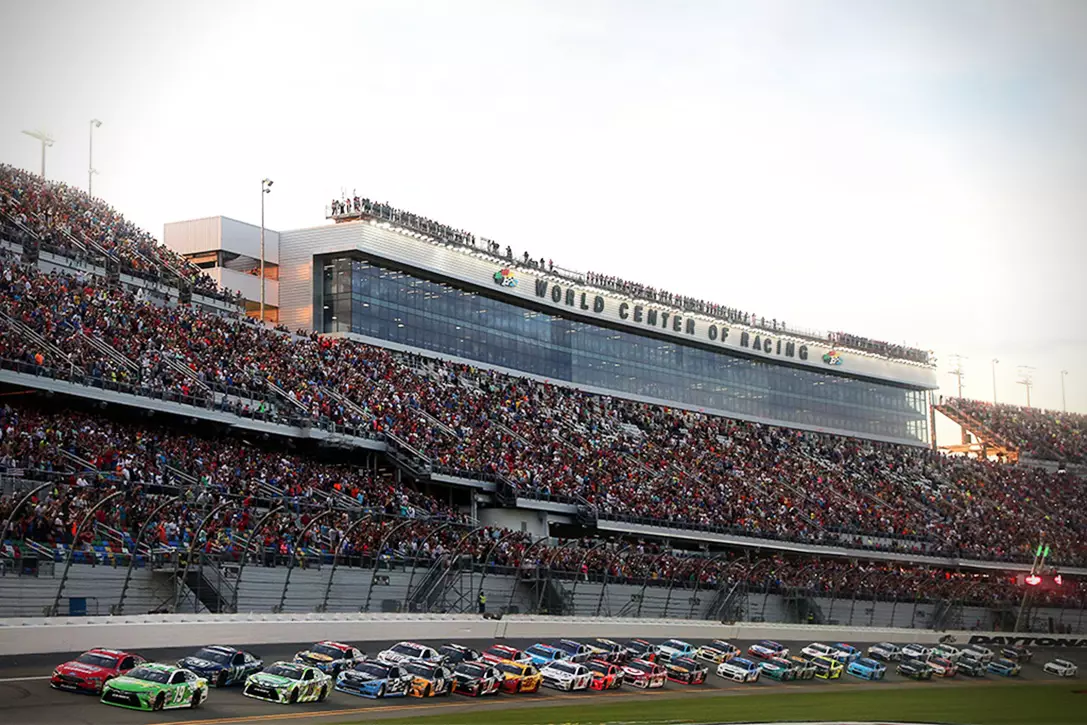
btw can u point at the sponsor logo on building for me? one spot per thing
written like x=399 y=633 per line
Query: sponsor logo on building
x=832 y=357
x=505 y=278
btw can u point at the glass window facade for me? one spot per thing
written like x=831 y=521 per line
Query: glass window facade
x=362 y=297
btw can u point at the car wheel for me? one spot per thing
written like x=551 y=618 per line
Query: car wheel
x=324 y=693
x=381 y=691
x=294 y=696
x=159 y=702
x=220 y=681
x=197 y=697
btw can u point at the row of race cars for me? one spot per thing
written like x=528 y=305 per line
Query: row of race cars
x=128 y=680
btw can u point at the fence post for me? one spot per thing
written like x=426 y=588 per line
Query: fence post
x=75 y=541
x=136 y=549
x=336 y=559
x=245 y=550
x=19 y=505
x=189 y=554
x=524 y=559
x=294 y=554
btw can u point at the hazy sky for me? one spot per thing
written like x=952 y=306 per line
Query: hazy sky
x=911 y=171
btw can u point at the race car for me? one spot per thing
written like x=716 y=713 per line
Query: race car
x=941 y=666
x=802 y=669
x=826 y=668
x=92 y=669
x=518 y=676
x=818 y=649
x=848 y=652
x=641 y=649
x=500 y=652
x=914 y=669
x=608 y=650
x=544 y=654
x=983 y=654
x=330 y=657
x=670 y=648
x=866 y=669
x=767 y=648
x=778 y=669
x=1061 y=668
x=374 y=679
x=288 y=683
x=476 y=679
x=914 y=651
x=717 y=651
x=885 y=651
x=575 y=651
x=969 y=666
x=454 y=654
x=152 y=686
x=429 y=679
x=947 y=651
x=567 y=676
x=408 y=651
x=1017 y=653
x=222 y=666
x=1004 y=667
x=686 y=670
x=644 y=674
x=739 y=669
x=606 y=675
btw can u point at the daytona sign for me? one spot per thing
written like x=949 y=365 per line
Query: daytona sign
x=1035 y=641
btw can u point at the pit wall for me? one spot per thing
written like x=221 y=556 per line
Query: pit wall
x=58 y=634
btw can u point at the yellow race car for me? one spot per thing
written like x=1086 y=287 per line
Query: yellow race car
x=429 y=679
x=519 y=676
x=825 y=667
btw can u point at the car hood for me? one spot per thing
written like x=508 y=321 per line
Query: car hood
x=197 y=663
x=129 y=684
x=318 y=657
x=357 y=676
x=263 y=678
x=82 y=670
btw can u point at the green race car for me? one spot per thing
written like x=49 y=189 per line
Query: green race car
x=288 y=682
x=153 y=686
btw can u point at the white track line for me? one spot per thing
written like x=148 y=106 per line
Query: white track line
x=24 y=679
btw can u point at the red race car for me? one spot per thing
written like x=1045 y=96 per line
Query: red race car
x=499 y=652
x=643 y=674
x=90 y=670
x=606 y=676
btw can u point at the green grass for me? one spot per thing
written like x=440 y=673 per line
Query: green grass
x=1054 y=704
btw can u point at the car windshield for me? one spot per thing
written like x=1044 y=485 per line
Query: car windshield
x=288 y=671
x=886 y=645
x=598 y=667
x=674 y=644
x=509 y=669
x=867 y=663
x=469 y=670
x=150 y=675
x=718 y=644
x=324 y=649
x=540 y=652
x=638 y=646
x=499 y=652
x=567 y=646
x=641 y=666
x=407 y=650
x=97 y=660
x=420 y=669
x=211 y=655
x=774 y=645
x=563 y=667
x=371 y=668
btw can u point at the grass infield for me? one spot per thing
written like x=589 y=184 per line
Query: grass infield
x=1049 y=704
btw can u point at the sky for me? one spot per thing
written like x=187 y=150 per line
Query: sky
x=908 y=171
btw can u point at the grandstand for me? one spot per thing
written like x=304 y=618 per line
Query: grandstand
x=444 y=421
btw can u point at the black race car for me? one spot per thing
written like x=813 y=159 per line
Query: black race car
x=915 y=670
x=454 y=654
x=970 y=667
x=686 y=670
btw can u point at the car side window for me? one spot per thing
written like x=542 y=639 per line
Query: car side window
x=177 y=678
x=393 y=673
x=308 y=675
x=127 y=663
x=238 y=659
x=250 y=658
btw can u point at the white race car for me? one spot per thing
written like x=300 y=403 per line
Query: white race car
x=406 y=651
x=915 y=651
x=818 y=649
x=717 y=651
x=739 y=669
x=979 y=653
x=947 y=651
x=885 y=651
x=566 y=676
x=1061 y=668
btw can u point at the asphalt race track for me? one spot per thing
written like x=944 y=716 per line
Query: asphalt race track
x=27 y=699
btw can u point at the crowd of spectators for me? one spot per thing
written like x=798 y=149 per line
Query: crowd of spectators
x=69 y=221
x=1036 y=432
x=142 y=462
x=619 y=458
x=358 y=206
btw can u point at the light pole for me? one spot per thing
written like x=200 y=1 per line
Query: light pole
x=95 y=123
x=1064 y=403
x=46 y=140
x=265 y=188
x=1026 y=379
x=995 y=362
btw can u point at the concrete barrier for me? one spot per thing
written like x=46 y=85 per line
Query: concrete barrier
x=60 y=634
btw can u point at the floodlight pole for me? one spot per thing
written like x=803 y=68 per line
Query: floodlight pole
x=265 y=188
x=46 y=141
x=95 y=123
x=1064 y=402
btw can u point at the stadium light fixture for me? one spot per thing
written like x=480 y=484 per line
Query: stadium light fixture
x=1064 y=403
x=91 y=171
x=265 y=188
x=46 y=140
x=995 y=363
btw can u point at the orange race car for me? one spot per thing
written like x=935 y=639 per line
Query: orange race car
x=606 y=676
x=518 y=676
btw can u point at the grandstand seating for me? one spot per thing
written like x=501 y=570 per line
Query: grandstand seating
x=1040 y=433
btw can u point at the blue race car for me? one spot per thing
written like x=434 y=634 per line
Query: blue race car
x=1004 y=667
x=866 y=669
x=373 y=679
x=544 y=654
x=222 y=666
x=851 y=653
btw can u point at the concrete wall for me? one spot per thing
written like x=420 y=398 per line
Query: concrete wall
x=27 y=596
